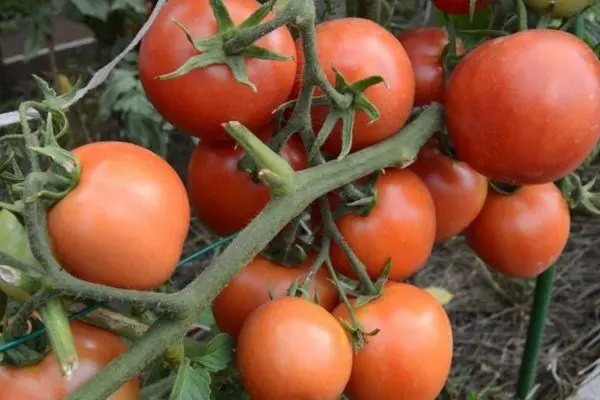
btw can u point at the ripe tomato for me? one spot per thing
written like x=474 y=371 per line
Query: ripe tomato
x=360 y=48
x=95 y=347
x=401 y=226
x=125 y=222
x=458 y=7
x=562 y=8
x=204 y=98
x=411 y=355
x=250 y=289
x=291 y=348
x=537 y=119
x=424 y=47
x=458 y=191
x=522 y=234
x=225 y=198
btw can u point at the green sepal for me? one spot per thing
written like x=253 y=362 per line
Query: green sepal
x=61 y=157
x=212 y=50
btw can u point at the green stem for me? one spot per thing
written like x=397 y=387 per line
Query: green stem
x=61 y=338
x=308 y=186
x=318 y=263
x=357 y=265
x=537 y=322
x=247 y=36
x=522 y=15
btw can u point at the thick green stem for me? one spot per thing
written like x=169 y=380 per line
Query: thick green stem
x=537 y=322
x=61 y=338
x=308 y=186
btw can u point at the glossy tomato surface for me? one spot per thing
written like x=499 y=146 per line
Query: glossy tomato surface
x=360 y=48
x=225 y=198
x=410 y=357
x=537 y=119
x=95 y=347
x=400 y=227
x=560 y=8
x=458 y=191
x=424 y=47
x=125 y=222
x=458 y=7
x=522 y=234
x=253 y=286
x=291 y=348
x=204 y=98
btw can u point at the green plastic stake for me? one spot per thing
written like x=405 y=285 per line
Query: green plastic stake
x=537 y=322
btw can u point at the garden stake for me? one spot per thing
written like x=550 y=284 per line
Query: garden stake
x=537 y=322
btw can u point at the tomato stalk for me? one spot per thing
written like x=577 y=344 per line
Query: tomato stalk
x=308 y=185
x=537 y=322
x=357 y=266
x=522 y=15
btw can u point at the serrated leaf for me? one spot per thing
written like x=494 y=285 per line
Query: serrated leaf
x=217 y=353
x=93 y=8
x=440 y=294
x=14 y=240
x=192 y=383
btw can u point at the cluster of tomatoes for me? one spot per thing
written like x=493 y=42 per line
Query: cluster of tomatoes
x=521 y=110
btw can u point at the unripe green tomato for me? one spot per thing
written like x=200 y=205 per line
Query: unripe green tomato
x=562 y=8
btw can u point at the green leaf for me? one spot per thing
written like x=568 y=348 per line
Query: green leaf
x=191 y=383
x=217 y=353
x=98 y=9
x=138 y=6
x=443 y=296
x=14 y=240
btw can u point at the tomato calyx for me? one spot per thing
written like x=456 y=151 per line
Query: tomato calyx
x=579 y=194
x=359 y=102
x=212 y=50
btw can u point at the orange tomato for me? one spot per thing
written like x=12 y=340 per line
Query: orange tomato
x=43 y=381
x=125 y=222
x=410 y=357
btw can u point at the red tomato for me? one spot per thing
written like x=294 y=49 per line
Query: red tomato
x=459 y=7
x=291 y=348
x=410 y=357
x=95 y=347
x=360 y=48
x=252 y=287
x=458 y=191
x=204 y=98
x=424 y=47
x=401 y=226
x=522 y=234
x=125 y=222
x=225 y=198
x=517 y=115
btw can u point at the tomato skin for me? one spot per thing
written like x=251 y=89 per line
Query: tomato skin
x=125 y=222
x=291 y=348
x=250 y=289
x=514 y=128
x=458 y=191
x=43 y=381
x=225 y=198
x=410 y=357
x=522 y=234
x=212 y=92
x=562 y=8
x=424 y=47
x=458 y=7
x=401 y=226
x=360 y=48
